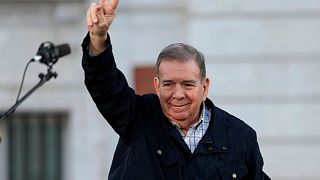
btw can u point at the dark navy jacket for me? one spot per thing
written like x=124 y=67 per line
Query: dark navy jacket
x=151 y=148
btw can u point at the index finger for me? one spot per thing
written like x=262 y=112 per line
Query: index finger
x=114 y=3
x=102 y=2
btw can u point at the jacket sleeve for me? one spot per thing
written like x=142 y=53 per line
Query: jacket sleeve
x=255 y=161
x=108 y=87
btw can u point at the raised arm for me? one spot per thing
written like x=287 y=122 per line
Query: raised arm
x=99 y=18
x=106 y=84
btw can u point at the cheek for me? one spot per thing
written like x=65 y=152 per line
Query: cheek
x=196 y=95
x=164 y=96
x=196 y=98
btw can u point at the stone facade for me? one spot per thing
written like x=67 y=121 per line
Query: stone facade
x=262 y=59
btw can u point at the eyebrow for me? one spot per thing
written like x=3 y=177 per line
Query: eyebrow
x=166 y=81
x=186 y=81
x=190 y=81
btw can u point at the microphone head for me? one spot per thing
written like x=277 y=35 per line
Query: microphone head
x=50 y=53
x=63 y=49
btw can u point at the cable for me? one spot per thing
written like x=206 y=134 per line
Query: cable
x=23 y=76
x=2 y=117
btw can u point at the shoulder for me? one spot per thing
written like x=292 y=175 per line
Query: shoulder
x=149 y=99
x=234 y=123
x=230 y=124
x=149 y=103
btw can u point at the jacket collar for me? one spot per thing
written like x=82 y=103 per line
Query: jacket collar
x=217 y=130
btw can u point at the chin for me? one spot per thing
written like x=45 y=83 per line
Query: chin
x=179 y=117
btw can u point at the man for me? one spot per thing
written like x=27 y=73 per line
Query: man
x=175 y=134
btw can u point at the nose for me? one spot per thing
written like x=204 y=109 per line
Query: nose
x=178 y=92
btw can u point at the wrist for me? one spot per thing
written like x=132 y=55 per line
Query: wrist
x=97 y=43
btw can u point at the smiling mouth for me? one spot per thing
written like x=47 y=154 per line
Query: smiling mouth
x=179 y=106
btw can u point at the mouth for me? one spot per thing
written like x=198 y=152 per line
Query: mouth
x=179 y=106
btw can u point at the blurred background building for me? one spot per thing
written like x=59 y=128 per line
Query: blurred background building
x=263 y=58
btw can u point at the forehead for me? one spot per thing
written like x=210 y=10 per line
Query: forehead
x=171 y=68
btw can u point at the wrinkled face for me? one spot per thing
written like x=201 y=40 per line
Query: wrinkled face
x=181 y=91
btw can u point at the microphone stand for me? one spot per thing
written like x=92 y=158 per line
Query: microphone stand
x=48 y=54
x=43 y=79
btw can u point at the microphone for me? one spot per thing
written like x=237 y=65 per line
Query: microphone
x=49 y=54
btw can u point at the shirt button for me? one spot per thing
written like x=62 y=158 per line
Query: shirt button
x=210 y=148
x=224 y=148
x=234 y=175
x=159 y=152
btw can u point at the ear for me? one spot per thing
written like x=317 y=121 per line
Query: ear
x=156 y=84
x=206 y=85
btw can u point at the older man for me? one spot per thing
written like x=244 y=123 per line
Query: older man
x=175 y=134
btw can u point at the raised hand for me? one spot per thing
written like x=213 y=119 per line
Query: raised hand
x=99 y=18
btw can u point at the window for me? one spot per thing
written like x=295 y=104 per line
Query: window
x=143 y=77
x=35 y=146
